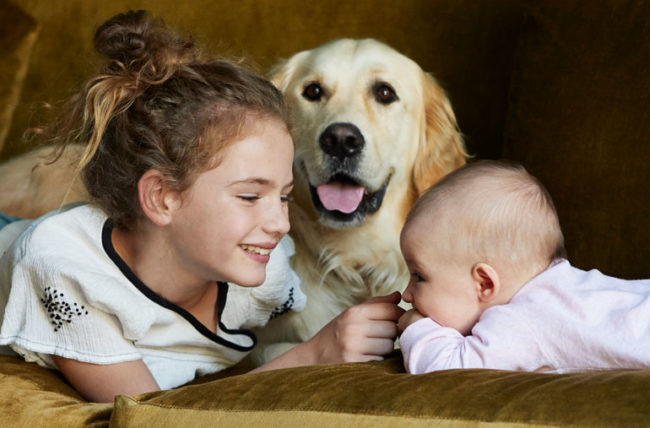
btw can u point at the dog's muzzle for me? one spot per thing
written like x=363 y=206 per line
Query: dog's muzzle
x=344 y=199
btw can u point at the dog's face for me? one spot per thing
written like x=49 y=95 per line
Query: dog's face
x=363 y=116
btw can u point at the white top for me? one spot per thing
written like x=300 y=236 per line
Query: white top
x=65 y=291
x=563 y=320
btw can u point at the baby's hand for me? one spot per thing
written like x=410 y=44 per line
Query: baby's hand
x=408 y=318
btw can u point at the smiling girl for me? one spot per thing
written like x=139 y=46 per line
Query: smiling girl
x=188 y=164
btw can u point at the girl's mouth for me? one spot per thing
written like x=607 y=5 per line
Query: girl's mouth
x=256 y=250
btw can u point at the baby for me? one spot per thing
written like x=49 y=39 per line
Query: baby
x=491 y=288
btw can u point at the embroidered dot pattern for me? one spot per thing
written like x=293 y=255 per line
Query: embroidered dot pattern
x=285 y=307
x=59 y=310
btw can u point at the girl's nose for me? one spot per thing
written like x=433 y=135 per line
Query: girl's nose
x=277 y=219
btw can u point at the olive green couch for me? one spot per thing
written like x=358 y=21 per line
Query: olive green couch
x=561 y=86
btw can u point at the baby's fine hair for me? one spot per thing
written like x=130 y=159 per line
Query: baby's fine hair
x=156 y=104
x=500 y=211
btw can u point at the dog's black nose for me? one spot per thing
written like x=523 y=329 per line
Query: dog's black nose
x=342 y=140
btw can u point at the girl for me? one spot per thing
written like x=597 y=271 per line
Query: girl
x=188 y=164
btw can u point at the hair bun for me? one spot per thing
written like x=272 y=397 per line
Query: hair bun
x=136 y=40
x=122 y=37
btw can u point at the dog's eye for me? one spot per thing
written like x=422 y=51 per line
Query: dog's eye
x=313 y=92
x=384 y=94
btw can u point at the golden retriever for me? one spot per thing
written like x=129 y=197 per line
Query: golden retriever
x=372 y=131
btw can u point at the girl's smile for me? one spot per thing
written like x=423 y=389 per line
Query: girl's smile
x=260 y=252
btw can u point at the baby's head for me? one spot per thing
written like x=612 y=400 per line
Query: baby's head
x=474 y=238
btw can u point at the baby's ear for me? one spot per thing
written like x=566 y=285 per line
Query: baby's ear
x=488 y=284
x=157 y=200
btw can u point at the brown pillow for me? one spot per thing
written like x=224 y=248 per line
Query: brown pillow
x=18 y=32
x=380 y=394
x=31 y=396
x=579 y=119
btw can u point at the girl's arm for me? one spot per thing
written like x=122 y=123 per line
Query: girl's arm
x=361 y=333
x=101 y=383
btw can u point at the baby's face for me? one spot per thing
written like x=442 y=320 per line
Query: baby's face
x=438 y=288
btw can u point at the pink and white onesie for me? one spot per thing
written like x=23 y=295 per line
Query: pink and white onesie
x=563 y=320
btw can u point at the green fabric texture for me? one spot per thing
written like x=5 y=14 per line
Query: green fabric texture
x=579 y=119
x=464 y=397
x=451 y=39
x=563 y=87
x=18 y=32
x=31 y=396
x=340 y=394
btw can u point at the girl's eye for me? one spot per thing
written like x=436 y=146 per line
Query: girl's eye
x=248 y=198
x=286 y=198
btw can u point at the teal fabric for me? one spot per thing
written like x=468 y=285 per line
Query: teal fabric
x=6 y=219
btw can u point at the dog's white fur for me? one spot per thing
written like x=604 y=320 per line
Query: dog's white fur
x=413 y=140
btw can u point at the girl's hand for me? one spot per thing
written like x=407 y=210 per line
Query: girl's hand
x=361 y=333
x=408 y=318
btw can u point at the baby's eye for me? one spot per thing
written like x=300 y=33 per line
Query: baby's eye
x=417 y=277
x=248 y=197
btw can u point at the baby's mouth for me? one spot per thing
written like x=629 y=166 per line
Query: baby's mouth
x=256 y=250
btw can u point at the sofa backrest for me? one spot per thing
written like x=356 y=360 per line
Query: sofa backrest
x=562 y=87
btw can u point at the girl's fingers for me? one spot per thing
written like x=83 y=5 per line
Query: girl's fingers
x=381 y=330
x=378 y=347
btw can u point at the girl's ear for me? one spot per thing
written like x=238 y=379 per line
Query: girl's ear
x=488 y=283
x=157 y=200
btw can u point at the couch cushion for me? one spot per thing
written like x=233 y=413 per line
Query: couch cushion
x=18 y=32
x=579 y=119
x=370 y=394
x=380 y=394
x=32 y=396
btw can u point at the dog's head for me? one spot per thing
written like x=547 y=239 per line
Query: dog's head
x=371 y=129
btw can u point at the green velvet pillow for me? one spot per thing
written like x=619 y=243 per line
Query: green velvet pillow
x=579 y=119
x=31 y=396
x=371 y=394
x=18 y=32
x=380 y=394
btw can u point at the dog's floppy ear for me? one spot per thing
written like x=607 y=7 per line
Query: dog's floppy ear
x=441 y=148
x=280 y=74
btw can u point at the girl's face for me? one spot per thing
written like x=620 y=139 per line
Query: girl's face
x=439 y=288
x=233 y=216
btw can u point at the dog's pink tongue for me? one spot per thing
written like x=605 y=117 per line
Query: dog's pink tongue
x=340 y=196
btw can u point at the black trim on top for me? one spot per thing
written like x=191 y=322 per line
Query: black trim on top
x=222 y=296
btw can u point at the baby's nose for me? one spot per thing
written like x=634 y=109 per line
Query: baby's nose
x=406 y=295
